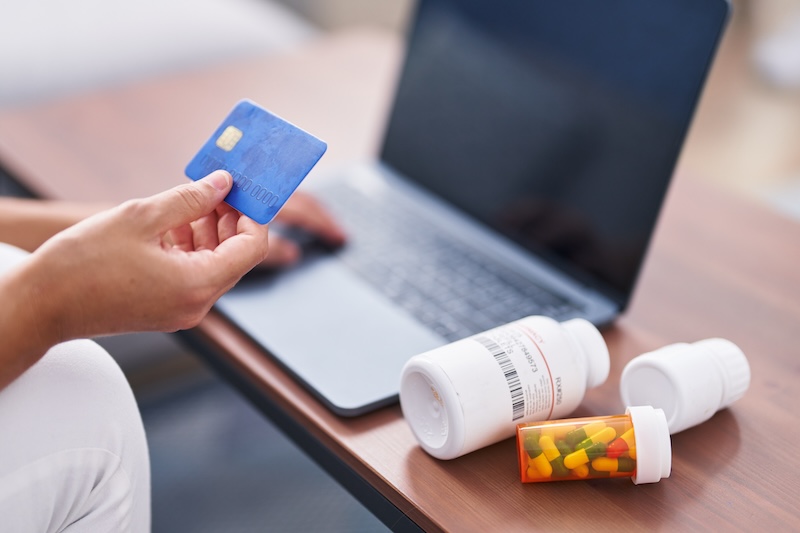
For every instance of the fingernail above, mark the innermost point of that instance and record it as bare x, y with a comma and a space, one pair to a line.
219, 179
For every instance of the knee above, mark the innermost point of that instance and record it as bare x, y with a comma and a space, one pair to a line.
76, 398
78, 387
75, 393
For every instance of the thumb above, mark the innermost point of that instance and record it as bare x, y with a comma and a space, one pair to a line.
191, 201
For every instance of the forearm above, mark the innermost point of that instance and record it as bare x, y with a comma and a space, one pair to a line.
28, 223
28, 325
117, 272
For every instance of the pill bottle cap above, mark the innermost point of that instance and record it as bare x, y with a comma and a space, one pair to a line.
690, 382
593, 348
653, 444
733, 365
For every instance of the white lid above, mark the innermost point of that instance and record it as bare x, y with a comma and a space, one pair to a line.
689, 382
431, 408
593, 348
734, 366
653, 444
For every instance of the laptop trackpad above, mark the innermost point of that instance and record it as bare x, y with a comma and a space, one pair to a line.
332, 330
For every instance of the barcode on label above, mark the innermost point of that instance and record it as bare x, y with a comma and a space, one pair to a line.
512, 377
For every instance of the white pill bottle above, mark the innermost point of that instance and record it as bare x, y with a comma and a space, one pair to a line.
473, 392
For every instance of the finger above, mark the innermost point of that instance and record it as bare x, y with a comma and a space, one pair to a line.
237, 255
282, 252
227, 221
304, 211
186, 203
204, 232
181, 238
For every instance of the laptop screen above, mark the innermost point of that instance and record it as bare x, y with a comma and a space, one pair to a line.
556, 122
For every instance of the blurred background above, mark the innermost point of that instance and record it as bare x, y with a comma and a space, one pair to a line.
218, 465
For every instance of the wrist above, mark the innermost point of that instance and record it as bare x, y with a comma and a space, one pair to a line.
29, 316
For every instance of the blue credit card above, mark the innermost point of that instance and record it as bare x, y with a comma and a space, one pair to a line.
267, 157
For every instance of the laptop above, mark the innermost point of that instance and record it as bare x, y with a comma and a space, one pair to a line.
526, 157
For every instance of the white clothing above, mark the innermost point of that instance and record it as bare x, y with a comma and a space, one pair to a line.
73, 454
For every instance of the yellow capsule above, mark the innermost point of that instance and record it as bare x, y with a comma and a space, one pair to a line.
533, 473
542, 465
581, 470
594, 427
584, 455
632, 453
549, 447
576, 459
605, 436
607, 464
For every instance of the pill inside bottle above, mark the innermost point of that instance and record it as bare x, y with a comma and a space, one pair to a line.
635, 445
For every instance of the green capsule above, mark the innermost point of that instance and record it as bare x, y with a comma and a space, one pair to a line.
577, 435
559, 470
596, 450
626, 464
530, 441
605, 436
607, 464
563, 447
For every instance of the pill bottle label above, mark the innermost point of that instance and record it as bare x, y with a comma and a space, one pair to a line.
518, 350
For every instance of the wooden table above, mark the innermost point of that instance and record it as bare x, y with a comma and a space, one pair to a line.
719, 266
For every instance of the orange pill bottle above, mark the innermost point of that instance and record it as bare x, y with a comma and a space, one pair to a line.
635, 445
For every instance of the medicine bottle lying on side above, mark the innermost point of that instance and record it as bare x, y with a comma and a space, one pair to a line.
472, 393
636, 445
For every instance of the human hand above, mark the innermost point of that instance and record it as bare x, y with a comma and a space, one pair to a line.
154, 264
303, 211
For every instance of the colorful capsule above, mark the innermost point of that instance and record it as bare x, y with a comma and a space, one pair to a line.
541, 464
607, 464
581, 471
559, 470
624, 443
530, 441
537, 458
553, 455
533, 473
563, 447
605, 436
577, 435
594, 474
601, 447
549, 447
584, 455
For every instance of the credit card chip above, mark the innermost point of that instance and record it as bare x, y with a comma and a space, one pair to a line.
229, 138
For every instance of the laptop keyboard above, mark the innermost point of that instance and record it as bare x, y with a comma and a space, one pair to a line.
452, 288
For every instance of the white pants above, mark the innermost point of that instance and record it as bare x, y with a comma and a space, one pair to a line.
73, 454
